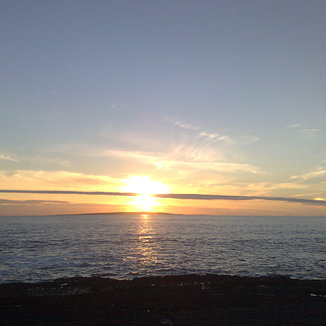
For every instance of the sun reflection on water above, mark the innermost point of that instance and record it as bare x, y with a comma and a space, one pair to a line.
146, 248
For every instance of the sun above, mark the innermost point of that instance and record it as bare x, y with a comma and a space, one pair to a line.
145, 188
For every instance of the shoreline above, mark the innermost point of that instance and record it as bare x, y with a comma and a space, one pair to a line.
165, 300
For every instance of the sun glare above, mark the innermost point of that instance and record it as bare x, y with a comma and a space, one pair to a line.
145, 188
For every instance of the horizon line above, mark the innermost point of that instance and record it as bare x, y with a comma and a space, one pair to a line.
160, 213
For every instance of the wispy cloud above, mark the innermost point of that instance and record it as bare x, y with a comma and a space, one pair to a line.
311, 185
313, 175
43, 160
310, 132
214, 137
117, 106
173, 196
202, 133
36, 179
262, 188
8, 157
188, 158
307, 133
183, 125
47, 160
197, 152
217, 137
293, 126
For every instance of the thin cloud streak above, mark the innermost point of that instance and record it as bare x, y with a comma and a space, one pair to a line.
32, 202
229, 197
172, 196
69, 192
7, 157
202, 133
185, 158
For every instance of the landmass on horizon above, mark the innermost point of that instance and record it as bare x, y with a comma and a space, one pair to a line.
155, 213
126, 213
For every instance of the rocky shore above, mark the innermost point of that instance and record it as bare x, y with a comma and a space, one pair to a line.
171, 300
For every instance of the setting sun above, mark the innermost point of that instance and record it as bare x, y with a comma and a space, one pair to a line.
143, 185
145, 188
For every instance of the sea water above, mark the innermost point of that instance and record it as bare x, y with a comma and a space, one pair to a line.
125, 246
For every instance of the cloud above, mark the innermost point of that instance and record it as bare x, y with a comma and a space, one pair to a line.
68, 192
314, 175
47, 160
213, 137
202, 133
248, 139
261, 188
31, 202
306, 133
311, 185
36, 179
8, 157
186, 158
293, 126
173, 196
183, 125
34, 159
117, 106
318, 174
228, 197
216, 136
310, 133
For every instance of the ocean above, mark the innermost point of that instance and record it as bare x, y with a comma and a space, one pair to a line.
125, 246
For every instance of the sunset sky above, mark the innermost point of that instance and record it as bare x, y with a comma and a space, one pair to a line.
181, 97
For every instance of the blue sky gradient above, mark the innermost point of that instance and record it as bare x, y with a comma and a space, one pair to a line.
208, 97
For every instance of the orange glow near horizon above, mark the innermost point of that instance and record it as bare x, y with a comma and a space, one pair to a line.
145, 188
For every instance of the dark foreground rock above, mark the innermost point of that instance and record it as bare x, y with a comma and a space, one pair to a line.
172, 300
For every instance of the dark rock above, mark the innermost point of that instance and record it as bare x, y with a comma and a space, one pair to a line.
181, 300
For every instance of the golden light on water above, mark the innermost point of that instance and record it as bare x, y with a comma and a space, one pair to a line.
147, 248
144, 252
145, 188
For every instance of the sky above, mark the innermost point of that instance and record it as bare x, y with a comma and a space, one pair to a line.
221, 98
